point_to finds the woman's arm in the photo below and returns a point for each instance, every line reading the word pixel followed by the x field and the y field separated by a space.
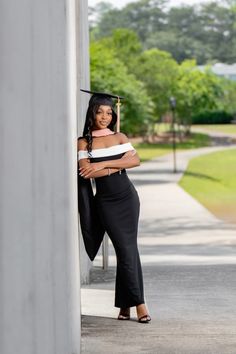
pixel 91 170
pixel 83 163
pixel 98 169
pixel 102 173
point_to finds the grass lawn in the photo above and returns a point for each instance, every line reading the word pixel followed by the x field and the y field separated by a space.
pixel 224 128
pixel 211 179
pixel 149 151
pixel 162 127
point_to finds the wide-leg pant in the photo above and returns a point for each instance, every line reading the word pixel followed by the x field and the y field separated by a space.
pixel 119 213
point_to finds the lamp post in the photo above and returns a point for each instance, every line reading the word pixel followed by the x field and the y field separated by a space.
pixel 172 102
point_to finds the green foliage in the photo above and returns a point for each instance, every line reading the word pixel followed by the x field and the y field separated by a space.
pixel 197 91
pixel 125 45
pixel 212 117
pixel 143 17
pixel 205 32
pixel 109 74
pixel 148 78
pixel 228 100
pixel 159 72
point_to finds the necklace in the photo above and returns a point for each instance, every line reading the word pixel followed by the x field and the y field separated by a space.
pixel 102 132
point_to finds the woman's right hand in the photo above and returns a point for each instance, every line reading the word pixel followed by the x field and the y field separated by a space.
pixel 87 170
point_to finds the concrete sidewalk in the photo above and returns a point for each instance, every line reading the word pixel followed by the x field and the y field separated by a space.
pixel 189 263
pixel 217 136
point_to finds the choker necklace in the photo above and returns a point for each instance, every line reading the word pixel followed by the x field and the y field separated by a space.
pixel 102 132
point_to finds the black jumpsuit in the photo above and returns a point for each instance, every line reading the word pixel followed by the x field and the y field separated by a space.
pixel 117 204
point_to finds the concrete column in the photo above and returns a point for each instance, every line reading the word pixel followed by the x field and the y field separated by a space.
pixel 39 262
pixel 83 74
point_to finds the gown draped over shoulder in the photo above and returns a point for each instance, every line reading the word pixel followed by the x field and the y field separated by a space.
pixel 115 209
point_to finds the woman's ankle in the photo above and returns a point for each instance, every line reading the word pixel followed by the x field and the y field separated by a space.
pixel 125 309
pixel 141 309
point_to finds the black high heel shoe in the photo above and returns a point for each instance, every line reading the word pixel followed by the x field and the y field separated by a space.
pixel 124 316
pixel 144 319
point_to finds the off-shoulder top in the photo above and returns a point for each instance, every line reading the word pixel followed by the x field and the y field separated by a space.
pixel 104 152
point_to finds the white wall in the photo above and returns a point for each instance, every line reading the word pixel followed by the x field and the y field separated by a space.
pixel 83 74
pixel 39 262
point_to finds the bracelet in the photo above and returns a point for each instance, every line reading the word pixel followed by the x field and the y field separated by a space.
pixel 109 171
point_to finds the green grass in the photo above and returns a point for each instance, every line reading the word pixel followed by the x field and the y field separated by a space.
pixel 211 179
pixel 150 151
pixel 162 127
pixel 224 128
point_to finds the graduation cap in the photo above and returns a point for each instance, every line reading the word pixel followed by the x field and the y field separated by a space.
pixel 108 96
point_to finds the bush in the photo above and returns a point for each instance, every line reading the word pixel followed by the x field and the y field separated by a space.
pixel 214 117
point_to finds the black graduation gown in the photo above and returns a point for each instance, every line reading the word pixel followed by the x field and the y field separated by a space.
pixel 91 227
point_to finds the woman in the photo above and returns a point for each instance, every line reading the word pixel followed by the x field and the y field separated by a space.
pixel 105 155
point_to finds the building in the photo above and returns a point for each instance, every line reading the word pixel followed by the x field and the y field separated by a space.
pixel 227 71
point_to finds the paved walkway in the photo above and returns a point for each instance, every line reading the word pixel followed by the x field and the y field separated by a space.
pixel 225 138
pixel 189 263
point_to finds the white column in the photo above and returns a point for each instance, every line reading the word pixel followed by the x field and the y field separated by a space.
pixel 83 81
pixel 39 262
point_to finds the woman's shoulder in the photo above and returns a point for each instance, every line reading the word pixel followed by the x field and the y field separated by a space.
pixel 122 138
pixel 81 143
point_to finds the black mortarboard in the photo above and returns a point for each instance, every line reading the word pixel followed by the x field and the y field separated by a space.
pixel 109 96
pixel 102 94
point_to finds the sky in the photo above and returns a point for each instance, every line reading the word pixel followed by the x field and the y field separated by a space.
pixel 121 3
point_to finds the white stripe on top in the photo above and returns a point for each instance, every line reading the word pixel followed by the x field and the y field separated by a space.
pixel 109 151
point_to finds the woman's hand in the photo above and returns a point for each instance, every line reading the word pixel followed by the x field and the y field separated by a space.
pixel 129 153
pixel 88 170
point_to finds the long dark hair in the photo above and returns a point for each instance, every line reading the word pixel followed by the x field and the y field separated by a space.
pixel 94 104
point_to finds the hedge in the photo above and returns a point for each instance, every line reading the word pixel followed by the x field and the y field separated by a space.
pixel 213 117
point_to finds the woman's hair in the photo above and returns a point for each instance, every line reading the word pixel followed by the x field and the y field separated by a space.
pixel 95 102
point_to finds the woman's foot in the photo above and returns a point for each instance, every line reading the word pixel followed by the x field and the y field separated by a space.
pixel 142 313
pixel 124 314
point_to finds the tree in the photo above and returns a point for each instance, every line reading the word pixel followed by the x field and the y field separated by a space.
pixel 159 72
pixel 125 45
pixel 97 12
pixel 148 78
pixel 197 91
pixel 218 26
pixel 187 32
pixel 109 74
pixel 228 101
pixel 143 17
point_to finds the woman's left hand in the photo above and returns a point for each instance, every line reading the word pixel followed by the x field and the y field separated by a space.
pixel 129 153
pixel 87 170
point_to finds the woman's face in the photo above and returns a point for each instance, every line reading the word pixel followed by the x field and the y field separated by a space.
pixel 103 117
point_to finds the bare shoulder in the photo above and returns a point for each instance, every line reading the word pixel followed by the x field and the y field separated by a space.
pixel 122 138
pixel 81 144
